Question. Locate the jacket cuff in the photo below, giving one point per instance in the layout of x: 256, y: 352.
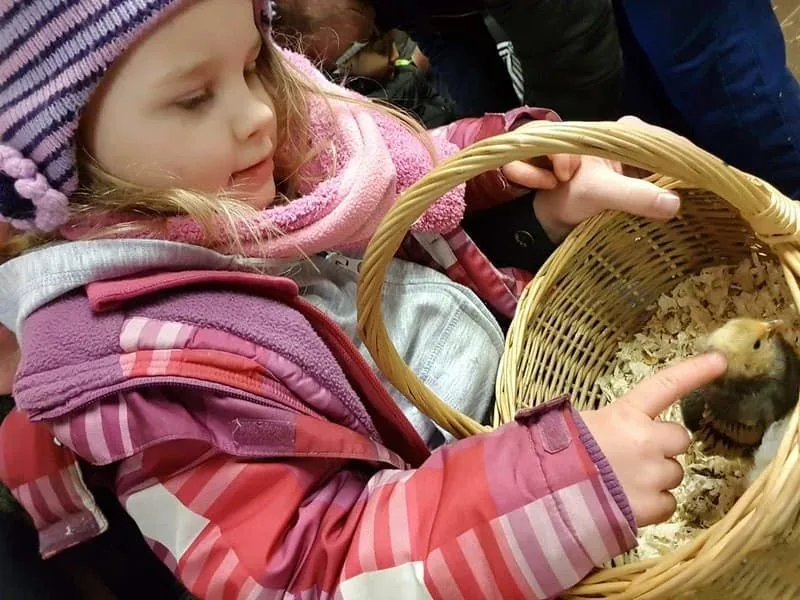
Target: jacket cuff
x: 610, y: 480
x: 492, y: 188
x: 45, y: 478
x: 525, y: 114
x: 552, y: 435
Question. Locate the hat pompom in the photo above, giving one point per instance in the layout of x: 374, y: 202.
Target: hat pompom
x: 26, y: 199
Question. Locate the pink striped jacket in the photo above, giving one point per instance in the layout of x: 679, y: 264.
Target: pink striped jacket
x: 261, y: 458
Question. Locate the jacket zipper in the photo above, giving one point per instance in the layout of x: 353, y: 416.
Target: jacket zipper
x: 273, y: 389
x: 381, y: 395
x: 227, y: 390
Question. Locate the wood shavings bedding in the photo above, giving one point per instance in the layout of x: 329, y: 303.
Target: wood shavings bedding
x: 695, y: 307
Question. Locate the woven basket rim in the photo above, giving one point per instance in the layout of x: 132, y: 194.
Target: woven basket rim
x: 775, y: 220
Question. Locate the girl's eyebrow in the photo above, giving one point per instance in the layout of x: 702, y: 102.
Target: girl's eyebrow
x: 187, y: 72
x: 199, y: 69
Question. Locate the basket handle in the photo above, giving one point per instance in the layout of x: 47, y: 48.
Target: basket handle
x: 770, y: 214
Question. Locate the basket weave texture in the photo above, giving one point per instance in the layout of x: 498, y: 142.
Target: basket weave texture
x: 598, y: 289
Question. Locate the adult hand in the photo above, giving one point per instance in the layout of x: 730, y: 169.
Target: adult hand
x: 598, y: 185
x: 543, y: 173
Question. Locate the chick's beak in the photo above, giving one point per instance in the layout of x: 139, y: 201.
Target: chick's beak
x: 773, y: 326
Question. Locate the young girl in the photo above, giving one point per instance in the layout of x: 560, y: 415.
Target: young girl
x: 185, y: 157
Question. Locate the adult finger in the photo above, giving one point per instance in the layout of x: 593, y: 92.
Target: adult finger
x: 672, y: 437
x: 632, y: 120
x: 615, y: 191
x: 526, y: 175
x: 637, y: 123
x: 565, y: 165
x: 656, y: 393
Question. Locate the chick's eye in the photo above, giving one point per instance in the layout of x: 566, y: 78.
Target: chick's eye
x: 757, y: 345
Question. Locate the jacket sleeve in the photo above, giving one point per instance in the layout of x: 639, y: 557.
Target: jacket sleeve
x: 46, y: 479
x: 490, y: 188
x: 523, y: 512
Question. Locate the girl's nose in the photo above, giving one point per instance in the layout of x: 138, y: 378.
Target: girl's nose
x: 253, y: 118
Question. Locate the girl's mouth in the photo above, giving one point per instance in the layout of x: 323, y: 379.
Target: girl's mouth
x: 253, y: 178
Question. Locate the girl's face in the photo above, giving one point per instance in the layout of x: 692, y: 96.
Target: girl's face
x: 184, y: 108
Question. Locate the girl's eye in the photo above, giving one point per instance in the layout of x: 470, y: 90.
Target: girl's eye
x: 194, y: 102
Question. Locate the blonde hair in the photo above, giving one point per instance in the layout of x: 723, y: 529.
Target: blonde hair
x: 101, y: 194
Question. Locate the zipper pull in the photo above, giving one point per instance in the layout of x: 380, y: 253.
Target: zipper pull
x: 437, y: 248
x: 345, y: 262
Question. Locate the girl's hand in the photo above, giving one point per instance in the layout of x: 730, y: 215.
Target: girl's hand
x: 543, y: 173
x: 639, y: 447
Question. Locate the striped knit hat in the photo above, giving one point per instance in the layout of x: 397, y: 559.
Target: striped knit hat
x: 53, y: 54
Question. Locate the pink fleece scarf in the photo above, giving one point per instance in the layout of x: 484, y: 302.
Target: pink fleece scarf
x: 374, y: 159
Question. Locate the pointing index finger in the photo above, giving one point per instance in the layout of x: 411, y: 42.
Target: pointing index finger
x: 659, y: 391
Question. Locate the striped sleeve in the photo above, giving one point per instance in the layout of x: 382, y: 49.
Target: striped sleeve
x: 524, y: 512
x: 45, y: 478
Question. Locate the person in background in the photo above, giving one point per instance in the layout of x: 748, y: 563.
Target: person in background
x: 381, y: 65
x: 716, y: 72
x: 407, y: 82
x: 568, y: 51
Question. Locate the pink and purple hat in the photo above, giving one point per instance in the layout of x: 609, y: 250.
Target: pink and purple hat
x: 53, y: 55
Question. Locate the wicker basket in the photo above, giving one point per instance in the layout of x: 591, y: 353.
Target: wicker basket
x: 596, y: 290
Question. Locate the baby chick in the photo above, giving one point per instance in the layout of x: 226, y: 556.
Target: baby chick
x: 729, y: 416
